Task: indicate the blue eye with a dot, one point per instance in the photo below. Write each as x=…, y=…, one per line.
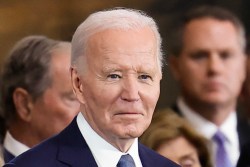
x=145, y=77
x=114, y=76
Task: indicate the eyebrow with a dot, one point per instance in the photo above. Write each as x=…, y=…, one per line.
x=188, y=156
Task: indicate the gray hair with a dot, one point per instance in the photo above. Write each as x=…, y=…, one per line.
x=27, y=66
x=118, y=18
x=175, y=38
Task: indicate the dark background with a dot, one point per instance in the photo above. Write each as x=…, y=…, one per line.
x=58, y=19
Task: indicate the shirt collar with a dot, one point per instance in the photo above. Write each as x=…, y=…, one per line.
x=13, y=146
x=207, y=128
x=104, y=153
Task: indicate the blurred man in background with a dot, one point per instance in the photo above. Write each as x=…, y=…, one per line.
x=36, y=95
x=207, y=58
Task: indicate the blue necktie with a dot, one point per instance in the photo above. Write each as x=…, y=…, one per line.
x=222, y=159
x=126, y=161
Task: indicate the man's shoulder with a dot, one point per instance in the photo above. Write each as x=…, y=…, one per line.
x=150, y=158
x=37, y=156
x=45, y=153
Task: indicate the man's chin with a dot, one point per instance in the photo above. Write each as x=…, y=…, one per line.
x=131, y=134
x=215, y=101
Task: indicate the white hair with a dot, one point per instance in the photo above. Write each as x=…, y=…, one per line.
x=117, y=18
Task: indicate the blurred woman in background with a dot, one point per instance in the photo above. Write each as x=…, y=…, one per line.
x=172, y=137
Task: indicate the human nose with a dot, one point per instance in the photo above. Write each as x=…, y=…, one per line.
x=215, y=64
x=130, y=90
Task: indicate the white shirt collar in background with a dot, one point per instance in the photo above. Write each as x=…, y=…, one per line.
x=13, y=146
x=208, y=129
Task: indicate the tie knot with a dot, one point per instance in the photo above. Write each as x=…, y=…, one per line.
x=219, y=138
x=126, y=161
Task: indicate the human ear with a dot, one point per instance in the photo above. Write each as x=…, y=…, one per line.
x=23, y=104
x=77, y=85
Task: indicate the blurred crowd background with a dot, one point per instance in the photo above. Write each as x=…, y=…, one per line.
x=58, y=19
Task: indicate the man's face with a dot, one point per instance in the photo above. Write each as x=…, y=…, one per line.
x=211, y=66
x=120, y=85
x=57, y=107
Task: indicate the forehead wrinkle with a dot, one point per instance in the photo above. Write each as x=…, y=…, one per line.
x=107, y=51
x=139, y=67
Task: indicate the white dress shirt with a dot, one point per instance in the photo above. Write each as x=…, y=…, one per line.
x=13, y=146
x=208, y=129
x=104, y=153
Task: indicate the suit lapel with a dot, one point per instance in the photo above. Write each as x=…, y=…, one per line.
x=7, y=155
x=146, y=159
x=73, y=149
x=243, y=129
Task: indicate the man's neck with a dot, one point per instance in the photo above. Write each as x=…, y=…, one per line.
x=215, y=113
x=22, y=134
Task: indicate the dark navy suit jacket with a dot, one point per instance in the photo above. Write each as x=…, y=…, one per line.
x=69, y=148
x=244, y=160
x=7, y=155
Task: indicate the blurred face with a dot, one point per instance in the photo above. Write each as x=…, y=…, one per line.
x=120, y=85
x=180, y=151
x=211, y=66
x=56, y=108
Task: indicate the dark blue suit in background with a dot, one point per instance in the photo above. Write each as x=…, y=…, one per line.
x=70, y=149
x=244, y=160
x=7, y=156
